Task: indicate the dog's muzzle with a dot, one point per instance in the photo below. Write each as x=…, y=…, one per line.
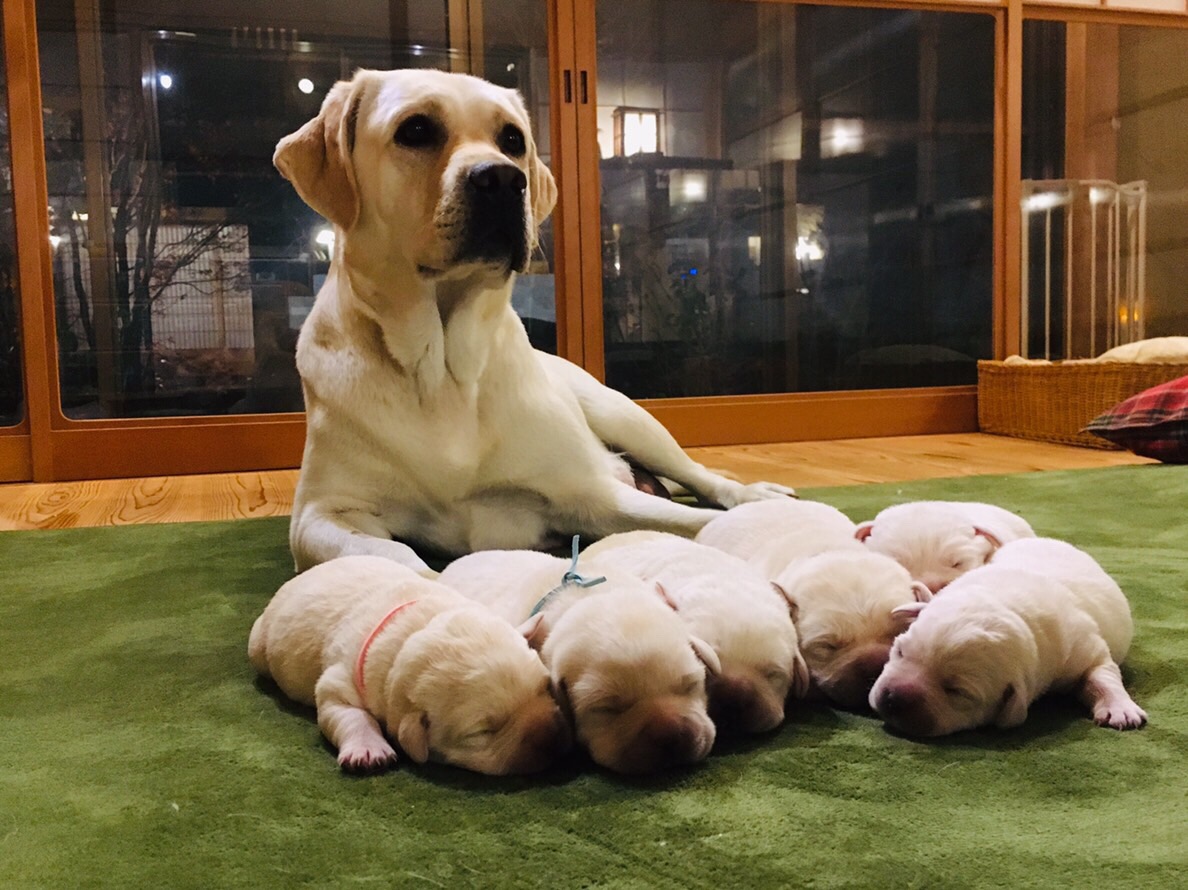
x=496, y=229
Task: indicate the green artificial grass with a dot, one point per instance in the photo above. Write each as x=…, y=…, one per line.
x=137, y=749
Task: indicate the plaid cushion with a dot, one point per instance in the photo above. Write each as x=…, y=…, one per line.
x=1152, y=424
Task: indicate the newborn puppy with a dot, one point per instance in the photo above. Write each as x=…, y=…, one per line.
x=623, y=663
x=745, y=618
x=938, y=541
x=1042, y=616
x=771, y=534
x=845, y=605
x=368, y=642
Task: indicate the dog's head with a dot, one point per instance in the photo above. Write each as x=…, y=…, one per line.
x=845, y=605
x=477, y=696
x=634, y=680
x=749, y=625
x=957, y=667
x=435, y=172
x=929, y=539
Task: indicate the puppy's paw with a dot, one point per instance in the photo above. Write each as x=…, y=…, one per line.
x=1120, y=715
x=368, y=756
x=757, y=491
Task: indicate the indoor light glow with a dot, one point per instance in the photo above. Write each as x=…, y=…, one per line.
x=842, y=136
x=809, y=251
x=1043, y=201
x=640, y=131
x=305, y=85
x=166, y=81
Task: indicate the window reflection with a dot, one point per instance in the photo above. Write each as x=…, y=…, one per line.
x=184, y=264
x=814, y=211
x=1105, y=164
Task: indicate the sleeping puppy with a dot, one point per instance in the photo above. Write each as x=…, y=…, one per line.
x=625, y=666
x=938, y=541
x=846, y=603
x=745, y=618
x=1042, y=616
x=771, y=534
x=372, y=644
x=432, y=422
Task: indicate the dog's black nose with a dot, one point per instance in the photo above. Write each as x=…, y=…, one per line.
x=496, y=180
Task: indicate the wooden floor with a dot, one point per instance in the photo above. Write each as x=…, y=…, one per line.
x=798, y=464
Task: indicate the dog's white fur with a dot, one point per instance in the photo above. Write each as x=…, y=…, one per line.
x=431, y=420
x=746, y=619
x=770, y=535
x=447, y=678
x=623, y=663
x=845, y=606
x=1042, y=616
x=938, y=541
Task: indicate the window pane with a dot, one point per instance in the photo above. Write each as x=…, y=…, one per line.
x=794, y=198
x=185, y=264
x=12, y=390
x=1105, y=166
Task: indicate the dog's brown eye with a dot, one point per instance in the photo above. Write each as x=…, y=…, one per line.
x=418, y=131
x=511, y=141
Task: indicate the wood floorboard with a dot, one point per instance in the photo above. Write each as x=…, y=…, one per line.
x=798, y=464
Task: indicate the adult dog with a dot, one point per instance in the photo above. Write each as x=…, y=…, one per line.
x=431, y=420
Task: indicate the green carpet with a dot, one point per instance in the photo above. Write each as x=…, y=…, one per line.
x=138, y=750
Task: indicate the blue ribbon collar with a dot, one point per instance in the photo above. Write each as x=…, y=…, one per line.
x=570, y=579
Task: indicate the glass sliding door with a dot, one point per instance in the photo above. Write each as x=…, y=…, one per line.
x=12, y=386
x=183, y=263
x=794, y=198
x=1105, y=169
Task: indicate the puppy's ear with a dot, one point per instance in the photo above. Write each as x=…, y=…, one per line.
x=560, y=691
x=413, y=735
x=802, y=680
x=533, y=631
x=668, y=600
x=992, y=538
x=1012, y=710
x=793, y=606
x=921, y=591
x=862, y=532
x=705, y=652
x=317, y=158
x=908, y=612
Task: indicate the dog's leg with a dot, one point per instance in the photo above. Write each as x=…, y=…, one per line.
x=354, y=732
x=624, y=426
x=316, y=536
x=628, y=509
x=1112, y=706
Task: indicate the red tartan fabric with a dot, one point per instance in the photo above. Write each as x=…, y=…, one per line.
x=1153, y=423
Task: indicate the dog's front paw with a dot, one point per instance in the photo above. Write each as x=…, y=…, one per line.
x=756, y=491
x=369, y=756
x=1120, y=715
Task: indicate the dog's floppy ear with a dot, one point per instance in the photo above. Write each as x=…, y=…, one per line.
x=908, y=612
x=922, y=592
x=802, y=680
x=317, y=158
x=862, y=532
x=543, y=189
x=560, y=691
x=994, y=540
x=793, y=606
x=1012, y=710
x=705, y=652
x=413, y=735
x=532, y=631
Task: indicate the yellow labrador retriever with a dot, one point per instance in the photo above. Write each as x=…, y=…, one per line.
x=432, y=422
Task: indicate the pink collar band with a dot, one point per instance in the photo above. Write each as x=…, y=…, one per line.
x=360, y=686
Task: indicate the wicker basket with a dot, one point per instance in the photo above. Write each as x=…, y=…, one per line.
x=1053, y=403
